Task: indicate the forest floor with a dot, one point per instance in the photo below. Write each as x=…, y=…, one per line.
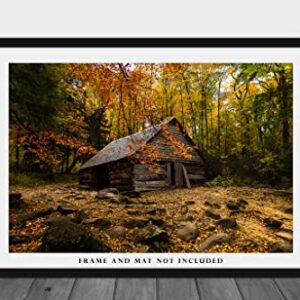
x=201, y=219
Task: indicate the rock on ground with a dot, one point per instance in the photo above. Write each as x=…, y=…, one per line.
x=131, y=194
x=288, y=236
x=108, y=194
x=281, y=247
x=42, y=197
x=66, y=209
x=273, y=223
x=150, y=234
x=218, y=238
x=135, y=222
x=15, y=199
x=66, y=236
x=101, y=222
x=187, y=232
x=233, y=205
x=212, y=214
x=227, y=223
x=116, y=232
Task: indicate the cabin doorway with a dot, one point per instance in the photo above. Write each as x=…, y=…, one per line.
x=101, y=177
x=175, y=174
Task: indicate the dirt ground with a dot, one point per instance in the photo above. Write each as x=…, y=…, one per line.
x=197, y=210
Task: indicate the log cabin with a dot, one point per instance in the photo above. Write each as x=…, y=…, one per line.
x=159, y=157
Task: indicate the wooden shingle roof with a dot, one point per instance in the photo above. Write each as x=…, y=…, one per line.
x=123, y=147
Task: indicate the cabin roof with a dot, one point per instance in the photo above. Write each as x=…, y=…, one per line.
x=126, y=146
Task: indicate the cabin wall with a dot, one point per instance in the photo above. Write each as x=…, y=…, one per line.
x=175, y=170
x=86, y=178
x=121, y=175
x=169, y=174
x=95, y=178
x=167, y=151
x=146, y=179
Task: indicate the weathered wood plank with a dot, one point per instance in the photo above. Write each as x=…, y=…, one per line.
x=290, y=287
x=195, y=169
x=149, y=177
x=196, y=177
x=51, y=288
x=122, y=181
x=178, y=175
x=169, y=174
x=136, y=288
x=93, y=289
x=150, y=184
x=144, y=169
x=14, y=288
x=186, y=178
x=122, y=188
x=218, y=289
x=121, y=165
x=258, y=288
x=177, y=289
x=120, y=175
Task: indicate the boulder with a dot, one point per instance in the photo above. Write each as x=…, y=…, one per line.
x=131, y=194
x=34, y=215
x=42, y=197
x=90, y=206
x=189, y=202
x=22, y=238
x=151, y=234
x=110, y=190
x=288, y=210
x=187, y=232
x=154, y=211
x=211, y=227
x=212, y=204
x=66, y=209
x=281, y=247
x=207, y=203
x=127, y=200
x=116, y=232
x=233, y=205
x=15, y=199
x=108, y=194
x=288, y=236
x=272, y=223
x=227, y=223
x=65, y=236
x=242, y=202
x=212, y=214
x=135, y=222
x=133, y=212
x=101, y=222
x=215, y=239
x=157, y=221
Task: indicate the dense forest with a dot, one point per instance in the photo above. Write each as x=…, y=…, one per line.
x=239, y=115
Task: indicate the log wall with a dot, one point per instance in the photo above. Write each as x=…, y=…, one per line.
x=121, y=175
x=146, y=179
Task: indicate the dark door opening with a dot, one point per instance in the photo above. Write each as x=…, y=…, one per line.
x=101, y=177
x=174, y=174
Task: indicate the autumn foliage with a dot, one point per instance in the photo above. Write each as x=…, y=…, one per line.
x=238, y=115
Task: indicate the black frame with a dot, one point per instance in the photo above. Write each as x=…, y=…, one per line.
x=150, y=43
